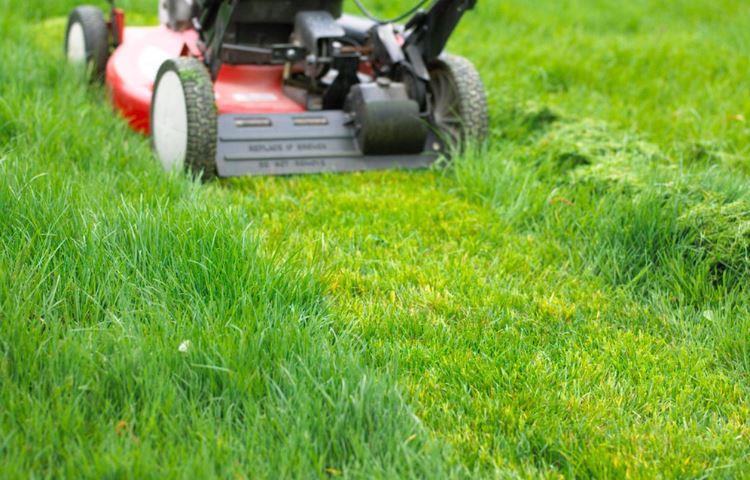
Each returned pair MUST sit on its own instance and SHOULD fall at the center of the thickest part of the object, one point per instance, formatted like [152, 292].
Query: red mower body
[239, 89]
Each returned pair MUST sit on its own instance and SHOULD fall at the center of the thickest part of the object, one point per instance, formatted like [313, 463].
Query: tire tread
[96, 34]
[200, 156]
[471, 93]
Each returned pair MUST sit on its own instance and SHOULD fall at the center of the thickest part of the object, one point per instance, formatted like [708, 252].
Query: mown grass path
[513, 359]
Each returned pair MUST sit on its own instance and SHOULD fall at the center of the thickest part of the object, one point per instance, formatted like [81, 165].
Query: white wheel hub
[170, 123]
[76, 44]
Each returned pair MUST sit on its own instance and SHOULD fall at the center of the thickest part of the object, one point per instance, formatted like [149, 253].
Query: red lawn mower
[236, 87]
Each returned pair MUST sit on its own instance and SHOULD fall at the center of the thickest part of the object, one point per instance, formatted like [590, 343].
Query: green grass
[570, 299]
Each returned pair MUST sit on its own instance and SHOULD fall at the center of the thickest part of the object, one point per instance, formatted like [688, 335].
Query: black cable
[372, 17]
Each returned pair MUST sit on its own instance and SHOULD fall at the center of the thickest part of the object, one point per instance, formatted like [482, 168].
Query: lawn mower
[262, 87]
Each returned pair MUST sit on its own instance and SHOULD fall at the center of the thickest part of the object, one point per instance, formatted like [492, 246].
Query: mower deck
[239, 89]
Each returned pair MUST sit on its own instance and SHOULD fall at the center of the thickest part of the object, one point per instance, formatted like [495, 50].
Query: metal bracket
[429, 31]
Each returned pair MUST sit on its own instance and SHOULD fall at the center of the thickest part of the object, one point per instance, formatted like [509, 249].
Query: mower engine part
[315, 31]
[177, 14]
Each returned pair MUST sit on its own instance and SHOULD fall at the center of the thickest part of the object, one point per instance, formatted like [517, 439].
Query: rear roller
[183, 118]
[87, 40]
[458, 101]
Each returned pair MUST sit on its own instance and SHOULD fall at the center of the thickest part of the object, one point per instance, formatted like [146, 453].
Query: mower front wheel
[87, 40]
[458, 101]
[183, 118]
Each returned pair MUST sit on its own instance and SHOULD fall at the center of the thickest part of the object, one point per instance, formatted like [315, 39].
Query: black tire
[458, 100]
[200, 106]
[95, 37]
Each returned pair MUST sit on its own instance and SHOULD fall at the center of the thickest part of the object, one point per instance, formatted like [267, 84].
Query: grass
[569, 300]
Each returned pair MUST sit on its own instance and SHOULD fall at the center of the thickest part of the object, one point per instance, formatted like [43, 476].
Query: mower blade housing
[305, 142]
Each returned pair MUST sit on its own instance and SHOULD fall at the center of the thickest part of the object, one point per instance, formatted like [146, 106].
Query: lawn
[570, 299]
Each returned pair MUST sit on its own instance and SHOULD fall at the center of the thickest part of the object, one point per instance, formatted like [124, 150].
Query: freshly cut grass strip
[517, 358]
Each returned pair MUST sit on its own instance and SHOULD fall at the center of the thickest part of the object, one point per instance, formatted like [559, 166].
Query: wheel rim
[76, 44]
[446, 110]
[170, 124]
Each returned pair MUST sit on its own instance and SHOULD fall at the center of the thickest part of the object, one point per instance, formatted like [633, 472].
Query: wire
[372, 17]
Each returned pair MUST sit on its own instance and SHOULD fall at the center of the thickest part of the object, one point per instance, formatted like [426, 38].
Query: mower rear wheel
[458, 101]
[183, 118]
[87, 40]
